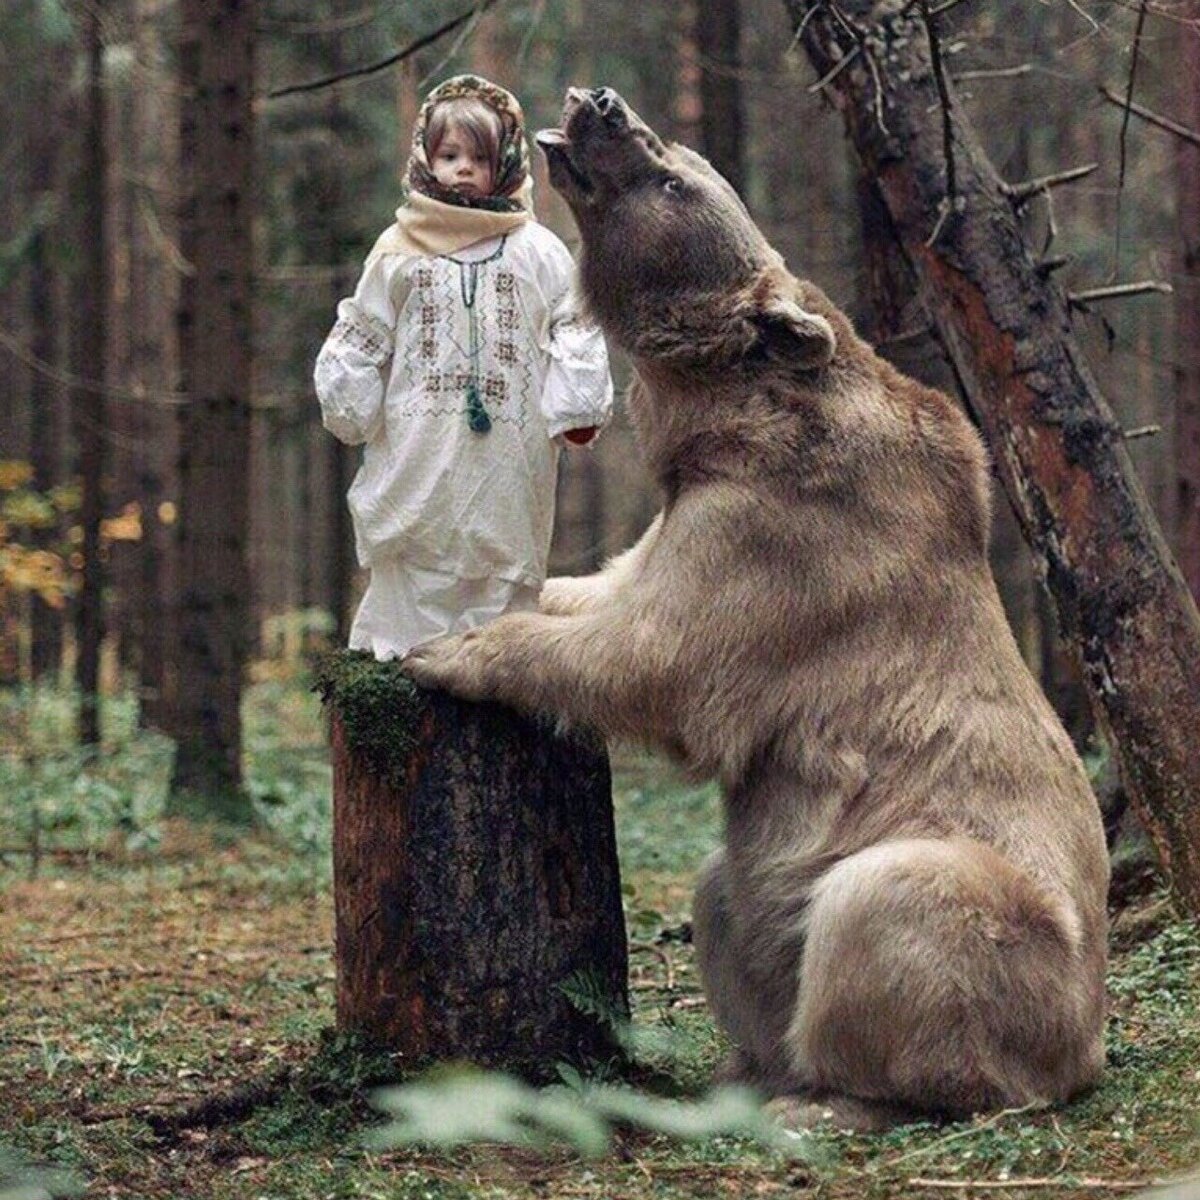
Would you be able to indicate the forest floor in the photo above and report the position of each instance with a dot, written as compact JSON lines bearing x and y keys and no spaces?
{"x":146,"y":968}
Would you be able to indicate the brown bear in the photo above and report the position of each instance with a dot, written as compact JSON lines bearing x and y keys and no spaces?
{"x":908,"y":915}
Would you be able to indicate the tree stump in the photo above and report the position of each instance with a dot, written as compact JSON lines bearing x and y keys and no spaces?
{"x":475,"y":877}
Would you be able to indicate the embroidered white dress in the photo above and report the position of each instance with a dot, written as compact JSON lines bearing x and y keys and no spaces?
{"x":455,"y":525}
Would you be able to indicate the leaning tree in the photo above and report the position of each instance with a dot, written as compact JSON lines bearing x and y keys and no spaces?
{"x":1006,"y":325}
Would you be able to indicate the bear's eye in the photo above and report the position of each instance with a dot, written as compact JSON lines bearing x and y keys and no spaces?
{"x":672,"y":185}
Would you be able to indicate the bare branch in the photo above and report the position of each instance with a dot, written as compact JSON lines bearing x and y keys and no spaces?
{"x":1138,"y":110}
{"x":1142,"y":431}
{"x":1020,"y":193}
{"x":907,"y":335}
{"x":1048,"y":266}
{"x":993,"y":73}
{"x":1133,"y":64}
{"x":400,"y":55}
{"x":1120,"y":291}
{"x":939,"y":75}
{"x":945,"y":7}
{"x":67,"y":380}
{"x":838,"y":67}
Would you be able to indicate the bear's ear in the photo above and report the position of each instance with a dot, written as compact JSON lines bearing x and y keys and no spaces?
{"x":790,"y":332}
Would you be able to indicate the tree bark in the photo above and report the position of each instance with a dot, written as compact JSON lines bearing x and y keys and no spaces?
{"x":1187,"y":317}
{"x":90,"y":354}
{"x":216,"y":140}
{"x":153,"y":292}
{"x":1061,"y":456}
{"x":718,"y":38}
{"x":475,"y":877}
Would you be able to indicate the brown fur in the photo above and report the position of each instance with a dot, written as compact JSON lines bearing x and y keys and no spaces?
{"x":908,"y":915}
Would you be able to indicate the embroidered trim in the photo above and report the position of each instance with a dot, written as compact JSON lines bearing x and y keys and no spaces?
{"x":364,"y":335}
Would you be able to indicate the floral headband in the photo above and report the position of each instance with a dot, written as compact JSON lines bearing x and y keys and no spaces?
{"x":513,"y":166}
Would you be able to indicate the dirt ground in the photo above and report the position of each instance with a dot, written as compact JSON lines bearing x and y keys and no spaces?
{"x":166,"y":1017}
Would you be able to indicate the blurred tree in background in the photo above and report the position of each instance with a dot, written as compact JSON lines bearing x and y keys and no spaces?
{"x":726,"y":78}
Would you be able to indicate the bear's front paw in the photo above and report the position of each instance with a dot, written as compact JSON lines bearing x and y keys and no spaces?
{"x":455,"y":664}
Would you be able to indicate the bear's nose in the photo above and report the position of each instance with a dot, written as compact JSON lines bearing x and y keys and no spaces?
{"x":609,"y":105}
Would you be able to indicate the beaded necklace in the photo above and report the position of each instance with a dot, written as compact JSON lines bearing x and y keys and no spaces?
{"x":468,"y":287}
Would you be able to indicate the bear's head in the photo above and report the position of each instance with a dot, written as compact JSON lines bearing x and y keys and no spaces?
{"x":673,"y":266}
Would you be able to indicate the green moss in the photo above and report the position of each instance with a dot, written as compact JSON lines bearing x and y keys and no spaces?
{"x":380,"y":708}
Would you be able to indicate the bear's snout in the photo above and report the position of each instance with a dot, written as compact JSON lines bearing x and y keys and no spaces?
{"x":610,"y":106}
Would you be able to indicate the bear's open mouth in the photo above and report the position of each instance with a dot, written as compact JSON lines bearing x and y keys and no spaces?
{"x":556,"y":145}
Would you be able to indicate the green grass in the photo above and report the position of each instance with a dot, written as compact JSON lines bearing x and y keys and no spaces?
{"x":159,"y":964}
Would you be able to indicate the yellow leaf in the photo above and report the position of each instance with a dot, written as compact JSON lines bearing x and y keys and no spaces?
{"x":14,"y":474}
{"x":29,"y":509}
{"x":125,"y":528}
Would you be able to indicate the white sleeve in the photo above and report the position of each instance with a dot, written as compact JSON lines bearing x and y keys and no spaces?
{"x":578,"y":390}
{"x":351,"y":369}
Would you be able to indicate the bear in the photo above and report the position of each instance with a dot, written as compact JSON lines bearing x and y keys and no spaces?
{"x":907,"y":917}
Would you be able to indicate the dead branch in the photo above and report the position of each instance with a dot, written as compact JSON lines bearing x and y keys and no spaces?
{"x":841,"y":64}
{"x":907,"y":335}
{"x":1151,"y":117}
{"x":391,"y":60}
{"x":1047,"y":266}
{"x":1142,"y":431}
{"x":939,"y":76}
{"x":1119,"y":291}
{"x":1021,"y":193}
{"x":992,"y":73}
{"x":1133,"y":65}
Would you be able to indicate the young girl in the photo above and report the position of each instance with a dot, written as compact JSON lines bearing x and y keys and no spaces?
{"x":462,"y":362}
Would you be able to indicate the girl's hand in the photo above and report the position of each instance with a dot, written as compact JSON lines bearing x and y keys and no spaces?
{"x":580,"y":436}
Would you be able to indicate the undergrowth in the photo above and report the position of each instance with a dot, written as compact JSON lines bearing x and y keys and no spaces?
{"x":155,"y":967}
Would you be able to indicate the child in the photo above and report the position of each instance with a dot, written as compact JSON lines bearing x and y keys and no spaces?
{"x":462,"y":362}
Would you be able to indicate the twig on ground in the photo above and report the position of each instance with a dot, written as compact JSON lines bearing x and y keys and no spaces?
{"x":1067,"y":1181}
{"x":942,"y":1142}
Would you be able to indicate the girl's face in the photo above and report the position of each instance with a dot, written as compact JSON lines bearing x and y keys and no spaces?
{"x":458,"y":164}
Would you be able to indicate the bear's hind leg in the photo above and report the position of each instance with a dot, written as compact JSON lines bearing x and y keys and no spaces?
{"x":938,"y":977}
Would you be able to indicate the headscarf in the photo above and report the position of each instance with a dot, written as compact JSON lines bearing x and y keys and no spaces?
{"x":438,"y":220}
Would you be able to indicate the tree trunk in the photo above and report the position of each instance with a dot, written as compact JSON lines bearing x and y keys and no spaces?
{"x":45,"y":397}
{"x":475,"y":877}
{"x":88,"y":404}
{"x":341,"y":459}
{"x":1061,"y":456}
{"x":153,"y":277}
{"x":1187,"y":317}
{"x":216,"y":139}
{"x":718,"y":29}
